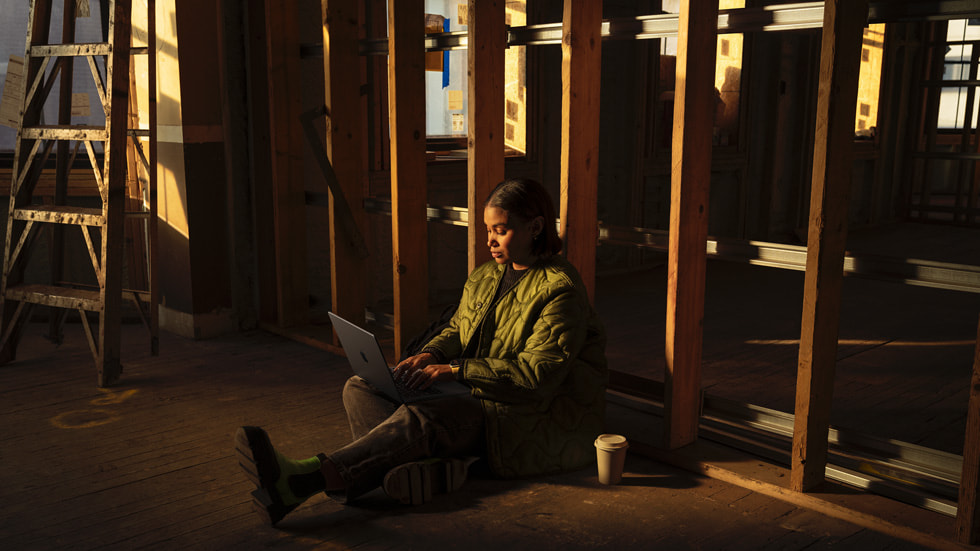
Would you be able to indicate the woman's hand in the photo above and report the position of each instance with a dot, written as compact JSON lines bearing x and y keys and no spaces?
{"x":419,"y":371}
{"x":432,"y":373}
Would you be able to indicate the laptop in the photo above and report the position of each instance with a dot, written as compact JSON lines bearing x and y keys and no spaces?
{"x":368,"y":362}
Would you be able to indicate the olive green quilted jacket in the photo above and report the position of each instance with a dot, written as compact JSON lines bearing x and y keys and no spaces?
{"x":541,"y":376}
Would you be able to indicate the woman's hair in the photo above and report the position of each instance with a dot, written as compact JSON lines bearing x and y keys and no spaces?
{"x":526,"y":199}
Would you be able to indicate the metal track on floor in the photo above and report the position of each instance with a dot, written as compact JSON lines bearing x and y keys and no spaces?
{"x":912,"y":474}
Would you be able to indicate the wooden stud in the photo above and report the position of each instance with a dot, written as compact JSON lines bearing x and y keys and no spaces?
{"x":971,"y":186}
{"x":840,"y":59}
{"x":376,"y":103}
{"x":581,"y":62}
{"x":151,"y":24}
{"x":968,"y":507}
{"x":344,"y":145}
{"x":286,"y":140}
{"x":936,"y":67}
{"x":135,"y":184}
{"x":694,"y":102}
{"x":231,"y":63}
{"x":260,"y":171}
{"x":406,"y":108}
{"x":638,"y":158}
{"x":485,"y":166}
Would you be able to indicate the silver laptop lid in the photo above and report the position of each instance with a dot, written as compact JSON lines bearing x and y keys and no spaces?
{"x":365,"y":355}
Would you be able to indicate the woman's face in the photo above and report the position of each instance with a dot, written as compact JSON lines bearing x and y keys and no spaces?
{"x":510,"y":240}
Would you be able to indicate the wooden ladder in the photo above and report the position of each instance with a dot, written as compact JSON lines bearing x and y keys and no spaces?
{"x":102,"y":229}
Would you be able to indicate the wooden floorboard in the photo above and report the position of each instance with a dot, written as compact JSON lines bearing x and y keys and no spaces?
{"x":149,"y":464}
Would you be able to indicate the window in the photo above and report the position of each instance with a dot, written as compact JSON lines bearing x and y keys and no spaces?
{"x":728,"y":74}
{"x":13,"y":35}
{"x":446,"y":83}
{"x":869,"y":81}
{"x":86,"y":104}
{"x":960,"y":64}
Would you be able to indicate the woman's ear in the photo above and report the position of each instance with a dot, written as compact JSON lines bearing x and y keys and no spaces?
{"x":537,"y":226}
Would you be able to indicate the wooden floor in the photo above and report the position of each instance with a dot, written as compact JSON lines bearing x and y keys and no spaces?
{"x":149,"y":464}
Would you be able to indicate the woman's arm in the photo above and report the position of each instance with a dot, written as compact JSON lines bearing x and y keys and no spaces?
{"x":558,"y":334}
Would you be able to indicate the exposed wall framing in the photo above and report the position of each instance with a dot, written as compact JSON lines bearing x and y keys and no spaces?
{"x":689,"y":166}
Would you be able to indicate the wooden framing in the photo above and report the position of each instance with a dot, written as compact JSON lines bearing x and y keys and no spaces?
{"x":968,"y":507}
{"x":260,"y":168}
{"x":406,"y":107}
{"x":286,"y":141}
{"x":344,"y":145}
{"x":485,"y":166}
{"x":840,"y":57}
{"x":581,"y":62}
{"x":154,"y":268}
{"x":690,"y":181}
{"x":232,"y":59}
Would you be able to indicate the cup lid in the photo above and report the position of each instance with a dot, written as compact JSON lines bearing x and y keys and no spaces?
{"x":611,"y":441}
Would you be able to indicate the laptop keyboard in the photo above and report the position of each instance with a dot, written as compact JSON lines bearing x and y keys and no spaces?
{"x":408,"y":392}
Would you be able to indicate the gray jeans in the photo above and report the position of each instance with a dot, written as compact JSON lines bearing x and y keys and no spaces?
{"x":387,"y":434}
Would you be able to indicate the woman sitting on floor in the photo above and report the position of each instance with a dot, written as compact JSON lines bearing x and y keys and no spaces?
{"x":524,"y":339}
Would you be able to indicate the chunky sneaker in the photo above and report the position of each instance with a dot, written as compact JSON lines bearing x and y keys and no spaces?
{"x":281,"y":484}
{"x":415,"y":483}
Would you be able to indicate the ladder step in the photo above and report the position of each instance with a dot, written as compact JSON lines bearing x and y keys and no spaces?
{"x":61,"y":214}
{"x":59,"y":297}
{"x":58,"y":50}
{"x":66,"y":132}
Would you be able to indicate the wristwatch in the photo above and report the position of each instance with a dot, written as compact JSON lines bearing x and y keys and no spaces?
{"x":456,"y":365}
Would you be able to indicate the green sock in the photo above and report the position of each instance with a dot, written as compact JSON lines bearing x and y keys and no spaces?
{"x":298,"y":479}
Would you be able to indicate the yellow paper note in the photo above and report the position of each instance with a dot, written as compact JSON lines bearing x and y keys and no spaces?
{"x":454,"y":100}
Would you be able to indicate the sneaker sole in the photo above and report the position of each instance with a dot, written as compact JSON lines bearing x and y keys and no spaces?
{"x":415,"y":483}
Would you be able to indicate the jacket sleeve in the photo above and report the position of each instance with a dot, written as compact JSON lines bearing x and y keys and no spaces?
{"x":539,"y":368}
{"x":448,"y":341}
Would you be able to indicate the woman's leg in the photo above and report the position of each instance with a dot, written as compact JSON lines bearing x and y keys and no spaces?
{"x":444,"y":427}
{"x":386,"y":435}
{"x":366,"y":407}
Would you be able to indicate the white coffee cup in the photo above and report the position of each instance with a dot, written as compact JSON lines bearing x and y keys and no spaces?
{"x":610,"y":452}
